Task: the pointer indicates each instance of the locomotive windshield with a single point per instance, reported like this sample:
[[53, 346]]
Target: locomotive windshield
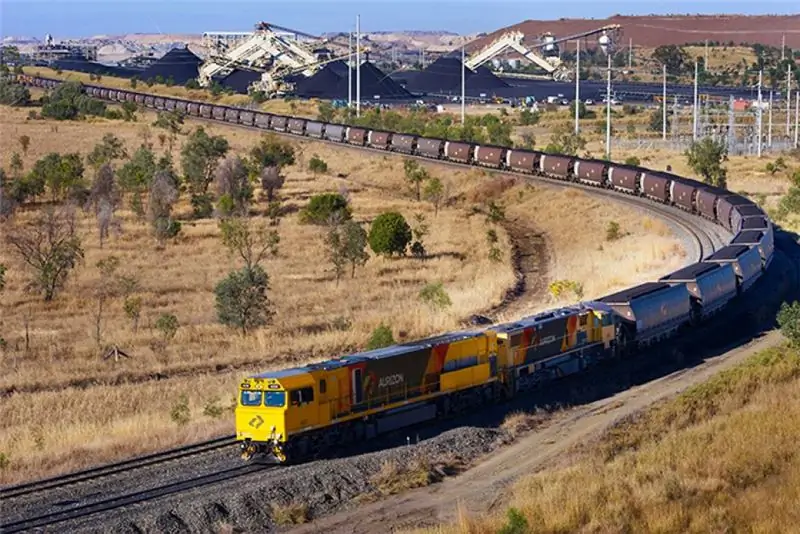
[[275, 398], [251, 398]]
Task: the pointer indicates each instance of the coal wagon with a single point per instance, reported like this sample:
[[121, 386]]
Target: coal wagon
[[746, 261], [591, 172], [377, 139], [625, 179], [430, 147], [357, 136], [335, 132], [461, 152], [655, 186], [557, 166], [711, 286], [403, 143], [652, 311], [297, 126], [682, 193], [489, 156], [314, 129], [523, 160]]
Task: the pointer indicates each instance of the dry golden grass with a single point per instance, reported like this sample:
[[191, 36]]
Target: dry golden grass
[[722, 457], [108, 410], [290, 514]]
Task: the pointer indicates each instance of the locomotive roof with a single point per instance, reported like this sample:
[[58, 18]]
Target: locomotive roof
[[690, 272], [375, 354], [545, 316], [748, 237], [730, 252], [626, 295]]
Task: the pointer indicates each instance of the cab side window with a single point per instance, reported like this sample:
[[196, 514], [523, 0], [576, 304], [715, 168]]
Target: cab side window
[[298, 397]]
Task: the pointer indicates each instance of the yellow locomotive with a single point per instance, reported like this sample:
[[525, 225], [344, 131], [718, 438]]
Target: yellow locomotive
[[301, 411]]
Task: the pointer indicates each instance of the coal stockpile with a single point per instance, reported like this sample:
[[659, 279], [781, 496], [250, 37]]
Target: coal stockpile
[[90, 67], [444, 76], [331, 83], [240, 80], [180, 64]]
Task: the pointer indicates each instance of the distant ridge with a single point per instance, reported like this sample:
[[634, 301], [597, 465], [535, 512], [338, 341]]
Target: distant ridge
[[655, 30]]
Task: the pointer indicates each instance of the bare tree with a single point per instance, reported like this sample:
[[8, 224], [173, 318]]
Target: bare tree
[[111, 284], [250, 240], [50, 246], [271, 180], [105, 198], [233, 186], [163, 194]]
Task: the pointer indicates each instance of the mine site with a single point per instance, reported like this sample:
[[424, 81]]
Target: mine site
[[322, 268]]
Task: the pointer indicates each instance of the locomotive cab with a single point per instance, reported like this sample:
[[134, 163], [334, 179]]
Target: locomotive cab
[[270, 408]]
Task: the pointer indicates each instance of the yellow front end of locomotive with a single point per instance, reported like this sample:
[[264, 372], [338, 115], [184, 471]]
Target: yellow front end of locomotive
[[261, 415]]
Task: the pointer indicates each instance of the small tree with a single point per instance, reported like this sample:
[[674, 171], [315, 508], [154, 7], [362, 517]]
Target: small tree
[[249, 239], [136, 177], [200, 156], [789, 322], [50, 246], [494, 252], [106, 151], [24, 142], [415, 175], [63, 174], [317, 165], [346, 244], [232, 182], [133, 309], [435, 296], [105, 197], [419, 231], [381, 337], [321, 208], [3, 270], [390, 234], [109, 285], [271, 152], [171, 121], [497, 212], [163, 194], [168, 325], [271, 180], [434, 193], [241, 299], [706, 157], [16, 166]]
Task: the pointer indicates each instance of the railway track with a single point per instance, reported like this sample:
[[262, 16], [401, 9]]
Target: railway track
[[125, 466], [129, 499]]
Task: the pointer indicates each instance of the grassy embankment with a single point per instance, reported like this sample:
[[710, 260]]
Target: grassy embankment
[[107, 410], [721, 457]]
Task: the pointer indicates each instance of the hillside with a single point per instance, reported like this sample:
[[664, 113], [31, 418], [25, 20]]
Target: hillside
[[656, 30]]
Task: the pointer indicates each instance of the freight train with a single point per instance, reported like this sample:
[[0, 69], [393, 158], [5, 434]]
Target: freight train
[[293, 413]]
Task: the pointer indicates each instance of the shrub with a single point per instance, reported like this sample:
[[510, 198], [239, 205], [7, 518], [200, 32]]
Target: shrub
[[435, 296], [613, 231], [241, 299], [180, 412], [317, 165], [322, 207], [560, 288], [517, 523], [213, 409], [168, 325], [390, 234], [290, 514], [789, 322], [633, 161], [381, 337]]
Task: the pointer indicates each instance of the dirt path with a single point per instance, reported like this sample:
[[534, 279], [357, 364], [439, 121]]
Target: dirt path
[[531, 259], [480, 489]]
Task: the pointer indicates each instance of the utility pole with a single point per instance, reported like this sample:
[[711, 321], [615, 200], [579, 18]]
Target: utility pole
[[630, 53], [694, 109], [608, 110], [664, 104], [769, 121], [463, 85], [577, 86], [705, 61], [788, 100], [350, 73], [759, 116], [796, 116], [783, 47], [358, 65]]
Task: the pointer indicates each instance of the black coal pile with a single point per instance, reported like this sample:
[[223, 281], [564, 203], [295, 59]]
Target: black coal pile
[[90, 67], [444, 76], [240, 80], [331, 83], [180, 64]]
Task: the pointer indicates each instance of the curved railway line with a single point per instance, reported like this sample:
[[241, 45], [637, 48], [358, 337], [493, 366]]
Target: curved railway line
[[707, 235]]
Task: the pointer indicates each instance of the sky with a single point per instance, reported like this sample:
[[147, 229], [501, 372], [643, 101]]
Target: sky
[[83, 18]]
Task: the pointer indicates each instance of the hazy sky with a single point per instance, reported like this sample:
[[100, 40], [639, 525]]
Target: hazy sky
[[76, 18]]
